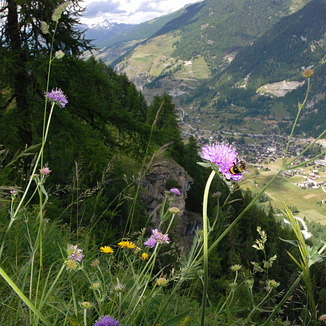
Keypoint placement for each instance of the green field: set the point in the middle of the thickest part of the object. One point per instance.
(154, 57)
(283, 190)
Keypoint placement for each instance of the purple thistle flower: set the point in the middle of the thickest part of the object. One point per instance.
(157, 237)
(160, 237)
(106, 321)
(45, 171)
(175, 191)
(235, 177)
(76, 253)
(57, 96)
(151, 242)
(223, 155)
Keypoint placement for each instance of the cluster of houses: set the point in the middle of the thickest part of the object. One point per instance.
(258, 149)
(311, 179)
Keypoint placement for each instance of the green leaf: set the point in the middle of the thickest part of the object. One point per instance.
(292, 242)
(205, 165)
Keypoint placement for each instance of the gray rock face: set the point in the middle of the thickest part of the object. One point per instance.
(154, 190)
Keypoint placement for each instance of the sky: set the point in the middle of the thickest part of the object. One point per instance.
(128, 11)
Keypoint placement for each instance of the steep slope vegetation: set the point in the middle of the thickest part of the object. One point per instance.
(294, 42)
(278, 57)
(111, 49)
(211, 31)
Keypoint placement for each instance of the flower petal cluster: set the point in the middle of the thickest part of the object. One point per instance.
(86, 305)
(175, 191)
(57, 97)
(307, 73)
(75, 253)
(95, 263)
(223, 156)
(71, 264)
(174, 210)
(45, 171)
(144, 256)
(107, 250)
(157, 237)
(127, 244)
(161, 281)
(106, 321)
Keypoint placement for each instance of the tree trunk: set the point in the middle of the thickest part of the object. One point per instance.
(20, 74)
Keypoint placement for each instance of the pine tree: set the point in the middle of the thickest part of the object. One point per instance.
(25, 49)
(162, 113)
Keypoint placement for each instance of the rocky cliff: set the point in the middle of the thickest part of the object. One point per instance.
(155, 185)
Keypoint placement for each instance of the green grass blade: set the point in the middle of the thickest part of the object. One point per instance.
(23, 297)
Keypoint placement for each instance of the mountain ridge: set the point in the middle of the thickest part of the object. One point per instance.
(214, 54)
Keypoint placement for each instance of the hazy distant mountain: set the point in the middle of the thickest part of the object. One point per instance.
(121, 38)
(272, 66)
(105, 30)
(217, 55)
(200, 43)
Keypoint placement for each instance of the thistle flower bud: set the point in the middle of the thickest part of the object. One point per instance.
(71, 264)
(95, 285)
(86, 305)
(95, 263)
(233, 285)
(308, 73)
(272, 284)
(161, 281)
(174, 210)
(250, 283)
(235, 268)
(217, 194)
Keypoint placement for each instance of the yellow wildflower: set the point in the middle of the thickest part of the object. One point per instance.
(127, 244)
(144, 256)
(107, 250)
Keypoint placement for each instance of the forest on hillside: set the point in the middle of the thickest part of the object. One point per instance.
(71, 173)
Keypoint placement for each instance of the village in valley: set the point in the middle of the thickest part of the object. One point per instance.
(263, 151)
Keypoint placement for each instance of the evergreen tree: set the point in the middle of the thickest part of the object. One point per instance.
(24, 50)
(162, 114)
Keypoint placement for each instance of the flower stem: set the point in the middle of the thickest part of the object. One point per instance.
(35, 165)
(85, 319)
(227, 230)
(205, 244)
